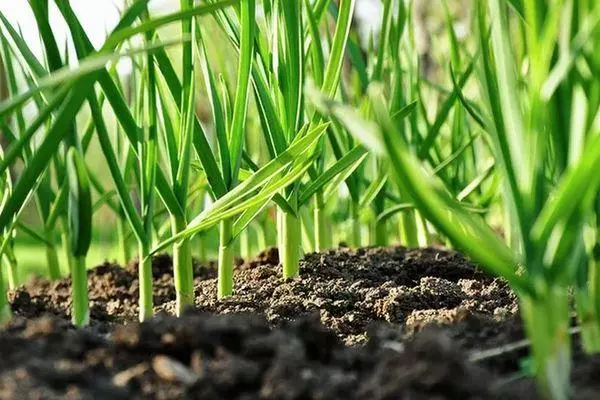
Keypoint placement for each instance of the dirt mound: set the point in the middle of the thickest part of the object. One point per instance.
(235, 356)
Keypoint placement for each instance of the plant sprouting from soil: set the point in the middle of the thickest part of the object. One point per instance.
(252, 123)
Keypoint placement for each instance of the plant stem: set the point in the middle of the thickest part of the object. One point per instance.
(122, 239)
(588, 321)
(5, 312)
(547, 324)
(145, 277)
(64, 237)
(321, 231)
(245, 244)
(79, 286)
(381, 233)
(52, 259)
(588, 304)
(307, 229)
(289, 252)
(408, 229)
(422, 232)
(280, 227)
(262, 235)
(356, 239)
(201, 247)
(226, 254)
(182, 269)
(13, 272)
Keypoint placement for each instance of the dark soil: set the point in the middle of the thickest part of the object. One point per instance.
(349, 290)
(236, 356)
(365, 324)
(113, 291)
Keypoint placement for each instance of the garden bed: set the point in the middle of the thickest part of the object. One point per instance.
(366, 324)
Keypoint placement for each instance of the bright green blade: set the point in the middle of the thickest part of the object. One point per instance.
(240, 108)
(45, 152)
(343, 167)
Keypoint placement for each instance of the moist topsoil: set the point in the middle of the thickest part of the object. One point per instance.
(381, 323)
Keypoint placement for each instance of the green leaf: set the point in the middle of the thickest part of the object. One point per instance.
(372, 191)
(217, 112)
(579, 185)
(502, 148)
(316, 48)
(395, 209)
(344, 166)
(404, 111)
(122, 33)
(444, 111)
(384, 37)
(475, 183)
(467, 104)
(17, 148)
(199, 140)
(340, 38)
(57, 206)
(277, 199)
(240, 107)
(348, 117)
(266, 178)
(31, 60)
(115, 97)
(241, 224)
(69, 76)
(33, 234)
(559, 73)
(222, 210)
(47, 149)
(115, 171)
(293, 64)
(80, 204)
